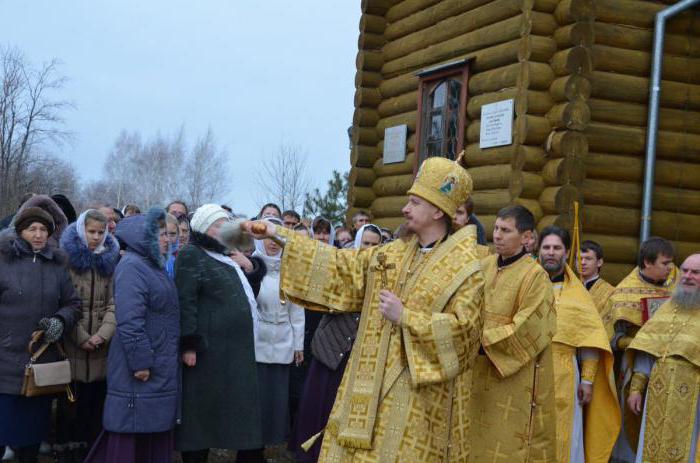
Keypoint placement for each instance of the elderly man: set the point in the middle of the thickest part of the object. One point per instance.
(667, 366)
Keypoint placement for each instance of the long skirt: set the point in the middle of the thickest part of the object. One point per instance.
(273, 381)
(114, 447)
(24, 421)
(316, 404)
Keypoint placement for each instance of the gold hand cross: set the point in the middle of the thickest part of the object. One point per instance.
(382, 268)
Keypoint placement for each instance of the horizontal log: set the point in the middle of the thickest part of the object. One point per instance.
(452, 26)
(531, 130)
(500, 32)
(365, 117)
(364, 136)
(361, 196)
(490, 201)
(395, 168)
(570, 11)
(547, 6)
(526, 185)
(567, 143)
(681, 69)
(635, 38)
(561, 171)
(401, 9)
(574, 60)
(629, 194)
(369, 60)
(376, 7)
(367, 79)
(617, 112)
(614, 273)
(520, 157)
(400, 85)
(578, 34)
(363, 156)
(570, 88)
(618, 87)
(642, 14)
(396, 185)
(574, 115)
(624, 249)
(425, 15)
(560, 220)
(362, 176)
(487, 221)
(389, 206)
(406, 118)
(373, 24)
(392, 223)
(535, 76)
(367, 97)
(622, 221)
(367, 41)
(532, 205)
(399, 104)
(559, 199)
(491, 177)
(631, 169)
(621, 139)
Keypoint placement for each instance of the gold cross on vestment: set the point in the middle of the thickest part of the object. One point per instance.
(507, 407)
(382, 268)
(497, 455)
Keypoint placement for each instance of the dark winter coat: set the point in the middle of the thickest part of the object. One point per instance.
(148, 330)
(92, 277)
(220, 405)
(32, 286)
(256, 275)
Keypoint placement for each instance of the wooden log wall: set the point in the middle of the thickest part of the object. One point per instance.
(616, 134)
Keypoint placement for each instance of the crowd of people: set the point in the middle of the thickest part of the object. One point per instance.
(190, 330)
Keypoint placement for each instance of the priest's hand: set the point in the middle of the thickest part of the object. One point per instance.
(390, 306)
(585, 393)
(634, 402)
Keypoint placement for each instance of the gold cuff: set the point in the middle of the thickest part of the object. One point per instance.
(624, 342)
(638, 383)
(589, 369)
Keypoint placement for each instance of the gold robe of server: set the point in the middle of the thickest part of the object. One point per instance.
(406, 389)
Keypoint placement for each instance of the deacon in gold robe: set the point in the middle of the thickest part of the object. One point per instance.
(406, 389)
(512, 407)
(667, 366)
(655, 277)
(588, 416)
(592, 260)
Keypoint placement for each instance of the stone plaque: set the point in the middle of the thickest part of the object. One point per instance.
(496, 124)
(395, 144)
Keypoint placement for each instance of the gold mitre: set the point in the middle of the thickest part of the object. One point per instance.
(444, 183)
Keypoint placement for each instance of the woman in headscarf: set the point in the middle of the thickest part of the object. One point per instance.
(279, 342)
(270, 210)
(93, 255)
(330, 349)
(220, 398)
(143, 369)
(36, 293)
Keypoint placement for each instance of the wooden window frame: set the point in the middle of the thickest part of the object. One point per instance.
(427, 78)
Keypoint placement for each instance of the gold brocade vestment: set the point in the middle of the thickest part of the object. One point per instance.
(601, 292)
(672, 336)
(405, 391)
(512, 408)
(579, 326)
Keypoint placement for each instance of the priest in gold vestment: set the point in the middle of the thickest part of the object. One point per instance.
(667, 368)
(592, 260)
(588, 416)
(512, 408)
(406, 389)
(623, 316)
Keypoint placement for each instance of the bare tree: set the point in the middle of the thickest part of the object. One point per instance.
(30, 118)
(284, 178)
(206, 174)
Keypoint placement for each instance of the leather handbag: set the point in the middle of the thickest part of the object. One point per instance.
(46, 378)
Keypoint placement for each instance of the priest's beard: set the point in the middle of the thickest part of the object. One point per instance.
(686, 300)
(553, 268)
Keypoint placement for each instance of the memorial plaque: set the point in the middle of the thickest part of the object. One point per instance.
(496, 124)
(395, 144)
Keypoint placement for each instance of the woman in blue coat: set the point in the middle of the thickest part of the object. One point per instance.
(143, 378)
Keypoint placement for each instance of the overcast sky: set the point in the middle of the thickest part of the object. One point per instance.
(258, 72)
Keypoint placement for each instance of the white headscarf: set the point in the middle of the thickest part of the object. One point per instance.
(205, 216)
(260, 245)
(358, 236)
(331, 238)
(80, 228)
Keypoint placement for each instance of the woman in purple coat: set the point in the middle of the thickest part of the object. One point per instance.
(143, 377)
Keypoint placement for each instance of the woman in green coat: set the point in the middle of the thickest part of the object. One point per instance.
(220, 405)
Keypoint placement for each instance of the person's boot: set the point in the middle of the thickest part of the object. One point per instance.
(29, 454)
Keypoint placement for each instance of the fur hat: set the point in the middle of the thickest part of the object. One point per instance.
(443, 183)
(30, 215)
(49, 205)
(205, 216)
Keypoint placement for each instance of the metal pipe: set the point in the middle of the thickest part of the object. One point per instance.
(653, 119)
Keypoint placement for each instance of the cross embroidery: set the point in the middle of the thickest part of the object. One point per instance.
(507, 407)
(532, 341)
(497, 455)
(382, 268)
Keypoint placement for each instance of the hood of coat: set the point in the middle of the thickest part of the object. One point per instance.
(49, 205)
(140, 234)
(81, 259)
(13, 247)
(207, 242)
